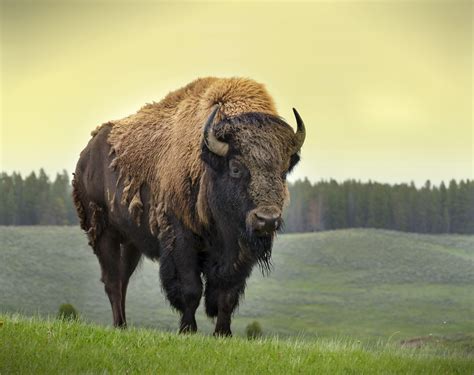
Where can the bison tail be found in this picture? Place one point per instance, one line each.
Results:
(92, 217)
(76, 197)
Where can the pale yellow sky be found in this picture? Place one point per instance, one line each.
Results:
(385, 88)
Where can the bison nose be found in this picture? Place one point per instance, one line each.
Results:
(267, 223)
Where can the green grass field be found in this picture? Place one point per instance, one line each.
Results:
(52, 347)
(370, 285)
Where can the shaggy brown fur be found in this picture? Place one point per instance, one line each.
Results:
(173, 131)
(201, 194)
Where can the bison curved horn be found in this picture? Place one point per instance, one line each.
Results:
(212, 143)
(300, 134)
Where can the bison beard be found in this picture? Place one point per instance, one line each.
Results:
(261, 248)
(196, 181)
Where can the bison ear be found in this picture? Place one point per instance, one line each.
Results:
(294, 159)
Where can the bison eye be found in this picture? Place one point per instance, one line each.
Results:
(235, 169)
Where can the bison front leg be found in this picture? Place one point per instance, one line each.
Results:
(221, 301)
(180, 276)
(183, 287)
(226, 303)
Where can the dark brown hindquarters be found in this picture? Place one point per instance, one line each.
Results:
(118, 258)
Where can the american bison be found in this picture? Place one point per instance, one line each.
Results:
(196, 181)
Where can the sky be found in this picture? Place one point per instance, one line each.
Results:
(384, 87)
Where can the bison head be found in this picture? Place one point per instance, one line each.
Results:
(247, 160)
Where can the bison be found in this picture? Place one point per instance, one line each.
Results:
(196, 181)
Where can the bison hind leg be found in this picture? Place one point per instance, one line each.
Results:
(129, 259)
(107, 249)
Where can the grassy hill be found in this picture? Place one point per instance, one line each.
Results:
(53, 347)
(367, 284)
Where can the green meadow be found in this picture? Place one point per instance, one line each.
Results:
(362, 283)
(54, 347)
(348, 301)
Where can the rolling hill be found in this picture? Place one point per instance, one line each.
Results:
(363, 283)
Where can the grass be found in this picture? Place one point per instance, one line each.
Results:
(32, 345)
(366, 284)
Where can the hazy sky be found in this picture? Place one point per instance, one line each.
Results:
(385, 88)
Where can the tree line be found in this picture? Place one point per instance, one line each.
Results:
(325, 205)
(36, 200)
(352, 204)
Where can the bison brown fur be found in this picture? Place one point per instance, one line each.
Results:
(196, 181)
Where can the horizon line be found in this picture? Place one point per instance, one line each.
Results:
(290, 181)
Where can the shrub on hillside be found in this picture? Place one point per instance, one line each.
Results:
(254, 330)
(67, 312)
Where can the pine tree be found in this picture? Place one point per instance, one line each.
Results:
(8, 204)
(436, 220)
(30, 200)
(44, 204)
(453, 207)
(444, 207)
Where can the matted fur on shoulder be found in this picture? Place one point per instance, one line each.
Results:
(160, 145)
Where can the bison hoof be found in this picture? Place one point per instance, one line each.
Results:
(187, 330)
(121, 325)
(219, 333)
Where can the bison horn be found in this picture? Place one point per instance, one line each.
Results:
(300, 134)
(212, 143)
